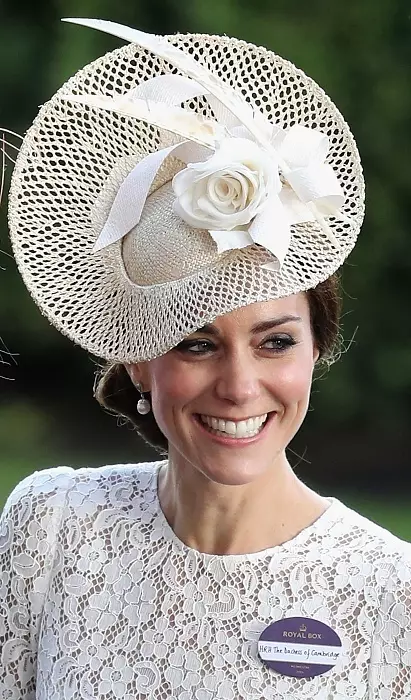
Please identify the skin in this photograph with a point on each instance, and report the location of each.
(226, 495)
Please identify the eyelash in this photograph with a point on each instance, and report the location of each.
(187, 346)
(287, 341)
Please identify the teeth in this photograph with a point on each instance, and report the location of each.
(240, 429)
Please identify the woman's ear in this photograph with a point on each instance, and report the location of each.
(316, 353)
(137, 371)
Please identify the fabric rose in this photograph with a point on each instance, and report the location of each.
(228, 189)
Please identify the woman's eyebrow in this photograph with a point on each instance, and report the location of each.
(209, 329)
(274, 322)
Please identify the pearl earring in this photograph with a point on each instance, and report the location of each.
(143, 405)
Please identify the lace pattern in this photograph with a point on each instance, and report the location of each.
(99, 599)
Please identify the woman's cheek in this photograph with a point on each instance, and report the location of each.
(294, 382)
(174, 385)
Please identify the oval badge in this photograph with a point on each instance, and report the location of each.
(299, 647)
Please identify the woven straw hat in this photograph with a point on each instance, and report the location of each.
(136, 295)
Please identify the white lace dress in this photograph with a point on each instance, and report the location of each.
(100, 600)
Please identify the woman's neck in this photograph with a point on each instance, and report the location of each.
(219, 519)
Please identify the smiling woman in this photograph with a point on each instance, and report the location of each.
(180, 209)
(117, 393)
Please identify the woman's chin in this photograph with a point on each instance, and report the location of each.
(227, 460)
(235, 472)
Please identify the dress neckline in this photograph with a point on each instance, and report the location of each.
(333, 514)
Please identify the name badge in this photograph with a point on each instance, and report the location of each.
(299, 647)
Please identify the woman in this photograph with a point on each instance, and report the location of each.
(184, 219)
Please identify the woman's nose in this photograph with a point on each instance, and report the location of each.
(238, 380)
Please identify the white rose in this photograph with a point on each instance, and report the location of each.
(228, 189)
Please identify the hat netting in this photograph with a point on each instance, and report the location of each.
(139, 307)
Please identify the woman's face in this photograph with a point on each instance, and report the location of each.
(231, 396)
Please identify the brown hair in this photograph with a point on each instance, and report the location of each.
(115, 391)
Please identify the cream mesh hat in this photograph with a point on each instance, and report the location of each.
(257, 192)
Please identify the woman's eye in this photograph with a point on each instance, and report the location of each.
(195, 347)
(278, 343)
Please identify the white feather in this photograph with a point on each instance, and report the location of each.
(159, 46)
(181, 122)
(167, 89)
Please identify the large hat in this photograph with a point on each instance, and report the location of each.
(174, 180)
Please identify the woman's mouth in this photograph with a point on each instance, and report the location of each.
(242, 429)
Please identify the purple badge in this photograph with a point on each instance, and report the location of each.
(300, 647)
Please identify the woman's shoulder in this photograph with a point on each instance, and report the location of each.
(61, 478)
(56, 487)
(373, 542)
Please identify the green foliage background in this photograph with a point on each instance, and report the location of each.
(356, 440)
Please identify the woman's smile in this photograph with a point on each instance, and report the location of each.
(233, 430)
